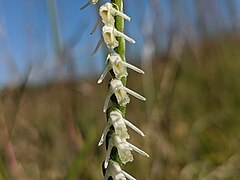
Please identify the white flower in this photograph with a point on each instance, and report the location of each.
(115, 171)
(107, 13)
(89, 3)
(119, 124)
(110, 33)
(118, 66)
(120, 91)
(124, 149)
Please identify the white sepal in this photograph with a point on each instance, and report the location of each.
(138, 150)
(98, 45)
(133, 127)
(133, 93)
(107, 101)
(104, 134)
(120, 123)
(120, 34)
(89, 3)
(133, 67)
(103, 75)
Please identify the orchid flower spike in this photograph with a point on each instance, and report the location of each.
(89, 3)
(107, 13)
(119, 124)
(110, 33)
(124, 149)
(115, 171)
(118, 66)
(120, 91)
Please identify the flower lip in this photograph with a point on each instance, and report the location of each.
(106, 15)
(109, 37)
(117, 88)
(114, 170)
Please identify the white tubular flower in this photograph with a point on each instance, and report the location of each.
(120, 91)
(124, 149)
(115, 171)
(110, 33)
(107, 13)
(119, 124)
(118, 66)
(89, 3)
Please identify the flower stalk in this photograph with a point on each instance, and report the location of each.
(115, 133)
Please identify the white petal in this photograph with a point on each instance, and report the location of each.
(129, 91)
(104, 134)
(128, 176)
(133, 67)
(115, 116)
(129, 124)
(103, 75)
(107, 101)
(116, 84)
(119, 34)
(108, 155)
(96, 25)
(138, 150)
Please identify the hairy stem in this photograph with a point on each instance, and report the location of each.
(119, 25)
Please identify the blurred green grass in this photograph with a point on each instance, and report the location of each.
(57, 127)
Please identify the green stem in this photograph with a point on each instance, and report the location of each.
(119, 25)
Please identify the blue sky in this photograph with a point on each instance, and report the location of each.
(26, 38)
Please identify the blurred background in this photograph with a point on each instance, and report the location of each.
(51, 115)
